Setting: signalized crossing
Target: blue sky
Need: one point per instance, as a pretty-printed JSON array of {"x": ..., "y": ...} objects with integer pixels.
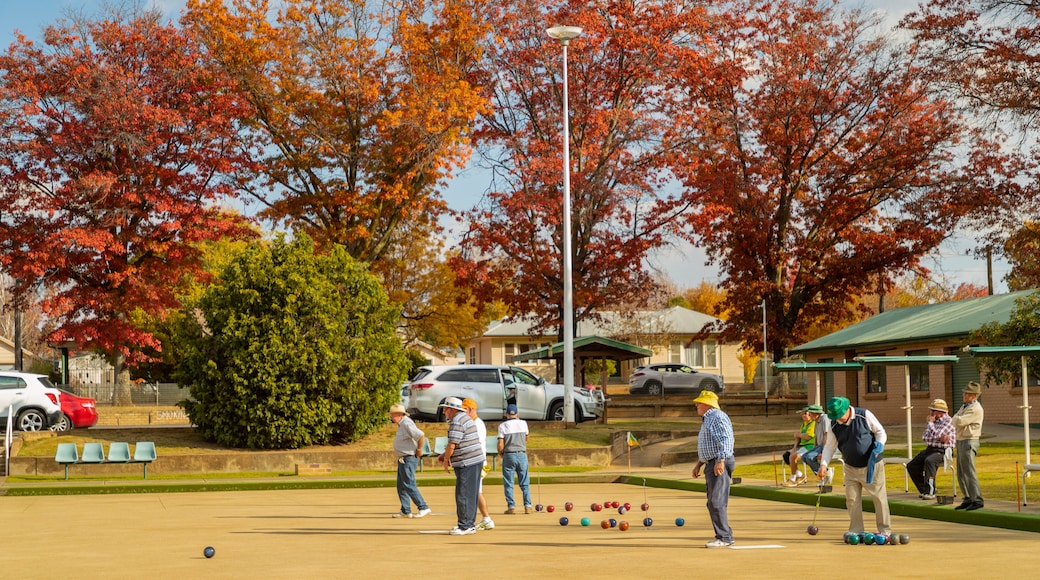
[{"x": 683, "y": 264}]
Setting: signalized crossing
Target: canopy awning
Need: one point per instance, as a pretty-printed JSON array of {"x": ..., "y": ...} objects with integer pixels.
[
  {"x": 588, "y": 347},
  {"x": 794, "y": 367},
  {"x": 1023, "y": 352},
  {"x": 907, "y": 360}
]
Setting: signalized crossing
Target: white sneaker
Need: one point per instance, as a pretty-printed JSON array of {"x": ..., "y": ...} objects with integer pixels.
[
  {"x": 719, "y": 544},
  {"x": 462, "y": 532},
  {"x": 422, "y": 513},
  {"x": 402, "y": 515},
  {"x": 486, "y": 524}
]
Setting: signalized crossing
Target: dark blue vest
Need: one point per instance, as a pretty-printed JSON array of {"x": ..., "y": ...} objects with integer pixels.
[{"x": 855, "y": 439}]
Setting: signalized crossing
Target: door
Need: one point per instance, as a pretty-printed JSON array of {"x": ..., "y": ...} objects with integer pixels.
[
  {"x": 12, "y": 394},
  {"x": 530, "y": 394}
]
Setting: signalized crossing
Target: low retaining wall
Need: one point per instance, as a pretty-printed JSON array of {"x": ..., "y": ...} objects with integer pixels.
[
  {"x": 285, "y": 462},
  {"x": 737, "y": 406}
]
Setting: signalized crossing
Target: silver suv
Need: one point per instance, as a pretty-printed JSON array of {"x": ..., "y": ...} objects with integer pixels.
[
  {"x": 493, "y": 387},
  {"x": 31, "y": 399}
]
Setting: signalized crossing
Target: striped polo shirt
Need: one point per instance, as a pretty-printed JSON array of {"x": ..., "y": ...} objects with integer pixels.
[{"x": 469, "y": 449}]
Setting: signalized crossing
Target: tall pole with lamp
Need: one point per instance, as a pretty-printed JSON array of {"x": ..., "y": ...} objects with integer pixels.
[
  {"x": 765, "y": 358},
  {"x": 564, "y": 34}
]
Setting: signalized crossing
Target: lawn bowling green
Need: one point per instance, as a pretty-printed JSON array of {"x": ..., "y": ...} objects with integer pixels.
[{"x": 348, "y": 533}]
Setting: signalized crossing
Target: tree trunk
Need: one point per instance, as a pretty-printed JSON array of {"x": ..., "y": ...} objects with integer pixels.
[{"x": 122, "y": 381}]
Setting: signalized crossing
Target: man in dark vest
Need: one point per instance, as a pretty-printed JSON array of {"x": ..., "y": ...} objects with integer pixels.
[{"x": 861, "y": 439}]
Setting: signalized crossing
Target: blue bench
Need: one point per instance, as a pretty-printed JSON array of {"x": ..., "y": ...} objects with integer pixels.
[{"x": 94, "y": 454}]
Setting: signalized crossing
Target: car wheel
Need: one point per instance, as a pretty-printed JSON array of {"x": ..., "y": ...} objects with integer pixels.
[
  {"x": 653, "y": 388},
  {"x": 64, "y": 425},
  {"x": 577, "y": 413},
  {"x": 556, "y": 411},
  {"x": 31, "y": 420},
  {"x": 713, "y": 386}
]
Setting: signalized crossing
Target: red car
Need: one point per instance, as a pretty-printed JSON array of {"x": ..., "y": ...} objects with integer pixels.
[{"x": 76, "y": 412}]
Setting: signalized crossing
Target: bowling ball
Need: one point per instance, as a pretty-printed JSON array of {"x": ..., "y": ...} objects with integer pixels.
[
  {"x": 568, "y": 506},
  {"x": 647, "y": 522},
  {"x": 613, "y": 523},
  {"x": 867, "y": 538},
  {"x": 813, "y": 530},
  {"x": 904, "y": 538},
  {"x": 680, "y": 522},
  {"x": 564, "y": 521},
  {"x": 621, "y": 510},
  {"x": 208, "y": 552},
  {"x": 539, "y": 507},
  {"x": 605, "y": 524},
  {"x": 853, "y": 539},
  {"x": 880, "y": 539},
  {"x": 628, "y": 506},
  {"x": 550, "y": 508},
  {"x": 585, "y": 521},
  {"x": 644, "y": 507},
  {"x": 623, "y": 526}
]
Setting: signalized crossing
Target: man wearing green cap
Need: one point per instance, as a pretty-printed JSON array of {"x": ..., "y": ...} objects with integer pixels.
[{"x": 861, "y": 438}]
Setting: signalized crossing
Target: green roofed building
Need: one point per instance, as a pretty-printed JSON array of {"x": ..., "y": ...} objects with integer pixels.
[{"x": 916, "y": 334}]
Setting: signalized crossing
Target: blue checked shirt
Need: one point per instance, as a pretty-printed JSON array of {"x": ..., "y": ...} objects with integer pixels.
[{"x": 715, "y": 440}]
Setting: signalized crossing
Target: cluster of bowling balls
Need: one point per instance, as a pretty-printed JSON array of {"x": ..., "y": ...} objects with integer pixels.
[{"x": 878, "y": 539}]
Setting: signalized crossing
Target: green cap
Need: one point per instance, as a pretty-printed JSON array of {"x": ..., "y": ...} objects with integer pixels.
[
  {"x": 836, "y": 407},
  {"x": 812, "y": 409}
]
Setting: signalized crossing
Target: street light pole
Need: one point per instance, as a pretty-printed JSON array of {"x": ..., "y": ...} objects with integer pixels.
[
  {"x": 765, "y": 357},
  {"x": 564, "y": 34}
]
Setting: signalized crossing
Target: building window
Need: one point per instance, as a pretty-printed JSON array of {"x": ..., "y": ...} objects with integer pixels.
[
  {"x": 877, "y": 380},
  {"x": 472, "y": 355},
  {"x": 675, "y": 352},
  {"x": 703, "y": 354},
  {"x": 918, "y": 372}
]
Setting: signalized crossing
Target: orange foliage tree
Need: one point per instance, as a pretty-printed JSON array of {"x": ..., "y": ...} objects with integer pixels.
[
  {"x": 114, "y": 149},
  {"x": 512, "y": 251},
  {"x": 818, "y": 160},
  {"x": 364, "y": 110}
]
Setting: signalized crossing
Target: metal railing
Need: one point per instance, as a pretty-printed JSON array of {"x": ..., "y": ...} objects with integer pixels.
[{"x": 141, "y": 394}]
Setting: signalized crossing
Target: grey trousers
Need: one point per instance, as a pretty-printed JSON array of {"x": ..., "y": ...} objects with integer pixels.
[
  {"x": 717, "y": 487},
  {"x": 967, "y": 479}
]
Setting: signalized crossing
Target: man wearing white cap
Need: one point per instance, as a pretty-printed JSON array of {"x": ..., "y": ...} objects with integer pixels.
[
  {"x": 715, "y": 456},
  {"x": 938, "y": 437},
  {"x": 408, "y": 445},
  {"x": 465, "y": 453}
]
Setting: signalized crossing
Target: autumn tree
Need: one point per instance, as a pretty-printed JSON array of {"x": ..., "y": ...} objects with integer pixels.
[
  {"x": 1022, "y": 249},
  {"x": 114, "y": 144},
  {"x": 364, "y": 109},
  {"x": 818, "y": 161},
  {"x": 435, "y": 307},
  {"x": 513, "y": 248},
  {"x": 986, "y": 54}
]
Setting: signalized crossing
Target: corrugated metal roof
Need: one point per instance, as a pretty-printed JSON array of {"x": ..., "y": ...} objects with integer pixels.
[
  {"x": 676, "y": 319},
  {"x": 918, "y": 323}
]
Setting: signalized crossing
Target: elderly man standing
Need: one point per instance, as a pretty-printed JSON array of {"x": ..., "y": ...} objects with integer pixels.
[
  {"x": 861, "y": 438},
  {"x": 408, "y": 446},
  {"x": 968, "y": 423},
  {"x": 465, "y": 453},
  {"x": 715, "y": 456},
  {"x": 939, "y": 436}
]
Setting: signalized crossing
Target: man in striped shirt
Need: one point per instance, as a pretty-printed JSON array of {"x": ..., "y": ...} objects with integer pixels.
[
  {"x": 715, "y": 456},
  {"x": 465, "y": 453}
]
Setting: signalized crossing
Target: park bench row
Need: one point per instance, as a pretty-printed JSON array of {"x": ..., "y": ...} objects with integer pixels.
[{"x": 94, "y": 454}]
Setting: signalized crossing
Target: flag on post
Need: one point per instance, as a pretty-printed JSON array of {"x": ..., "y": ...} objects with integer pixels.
[{"x": 632, "y": 440}]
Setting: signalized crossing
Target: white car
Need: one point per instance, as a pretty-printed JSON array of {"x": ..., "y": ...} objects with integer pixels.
[
  {"x": 30, "y": 399},
  {"x": 493, "y": 387},
  {"x": 663, "y": 378}
]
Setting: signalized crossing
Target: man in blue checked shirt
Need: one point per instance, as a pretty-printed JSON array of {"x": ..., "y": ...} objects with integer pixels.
[{"x": 715, "y": 456}]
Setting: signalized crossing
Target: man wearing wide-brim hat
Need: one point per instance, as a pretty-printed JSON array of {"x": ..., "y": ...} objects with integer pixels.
[
  {"x": 408, "y": 446},
  {"x": 968, "y": 423},
  {"x": 464, "y": 453},
  {"x": 715, "y": 456},
  {"x": 939, "y": 438}
]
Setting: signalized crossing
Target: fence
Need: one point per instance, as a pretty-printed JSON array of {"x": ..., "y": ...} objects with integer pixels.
[{"x": 141, "y": 395}]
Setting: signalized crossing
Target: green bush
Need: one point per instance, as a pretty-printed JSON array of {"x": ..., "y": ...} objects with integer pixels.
[{"x": 292, "y": 349}]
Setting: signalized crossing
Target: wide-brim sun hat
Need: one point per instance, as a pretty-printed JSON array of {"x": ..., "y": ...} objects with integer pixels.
[
  {"x": 452, "y": 403},
  {"x": 813, "y": 409},
  {"x": 837, "y": 407},
  {"x": 939, "y": 405},
  {"x": 398, "y": 409},
  {"x": 708, "y": 398}
]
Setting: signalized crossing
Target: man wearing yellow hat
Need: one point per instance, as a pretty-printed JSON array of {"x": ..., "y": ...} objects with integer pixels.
[
  {"x": 939, "y": 436},
  {"x": 715, "y": 456}
]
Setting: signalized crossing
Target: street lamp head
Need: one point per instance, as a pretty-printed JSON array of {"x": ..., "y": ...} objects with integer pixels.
[{"x": 564, "y": 33}]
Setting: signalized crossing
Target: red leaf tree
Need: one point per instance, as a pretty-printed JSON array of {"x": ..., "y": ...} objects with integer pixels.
[
  {"x": 618, "y": 83},
  {"x": 820, "y": 163},
  {"x": 116, "y": 143}
]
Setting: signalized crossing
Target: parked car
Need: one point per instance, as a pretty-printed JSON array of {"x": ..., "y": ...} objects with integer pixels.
[
  {"x": 76, "y": 412},
  {"x": 662, "y": 378},
  {"x": 30, "y": 399},
  {"x": 493, "y": 387}
]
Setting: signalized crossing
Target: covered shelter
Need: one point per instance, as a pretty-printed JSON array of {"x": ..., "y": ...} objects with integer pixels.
[
  {"x": 585, "y": 349},
  {"x": 905, "y": 362},
  {"x": 1023, "y": 352},
  {"x": 819, "y": 368}
]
